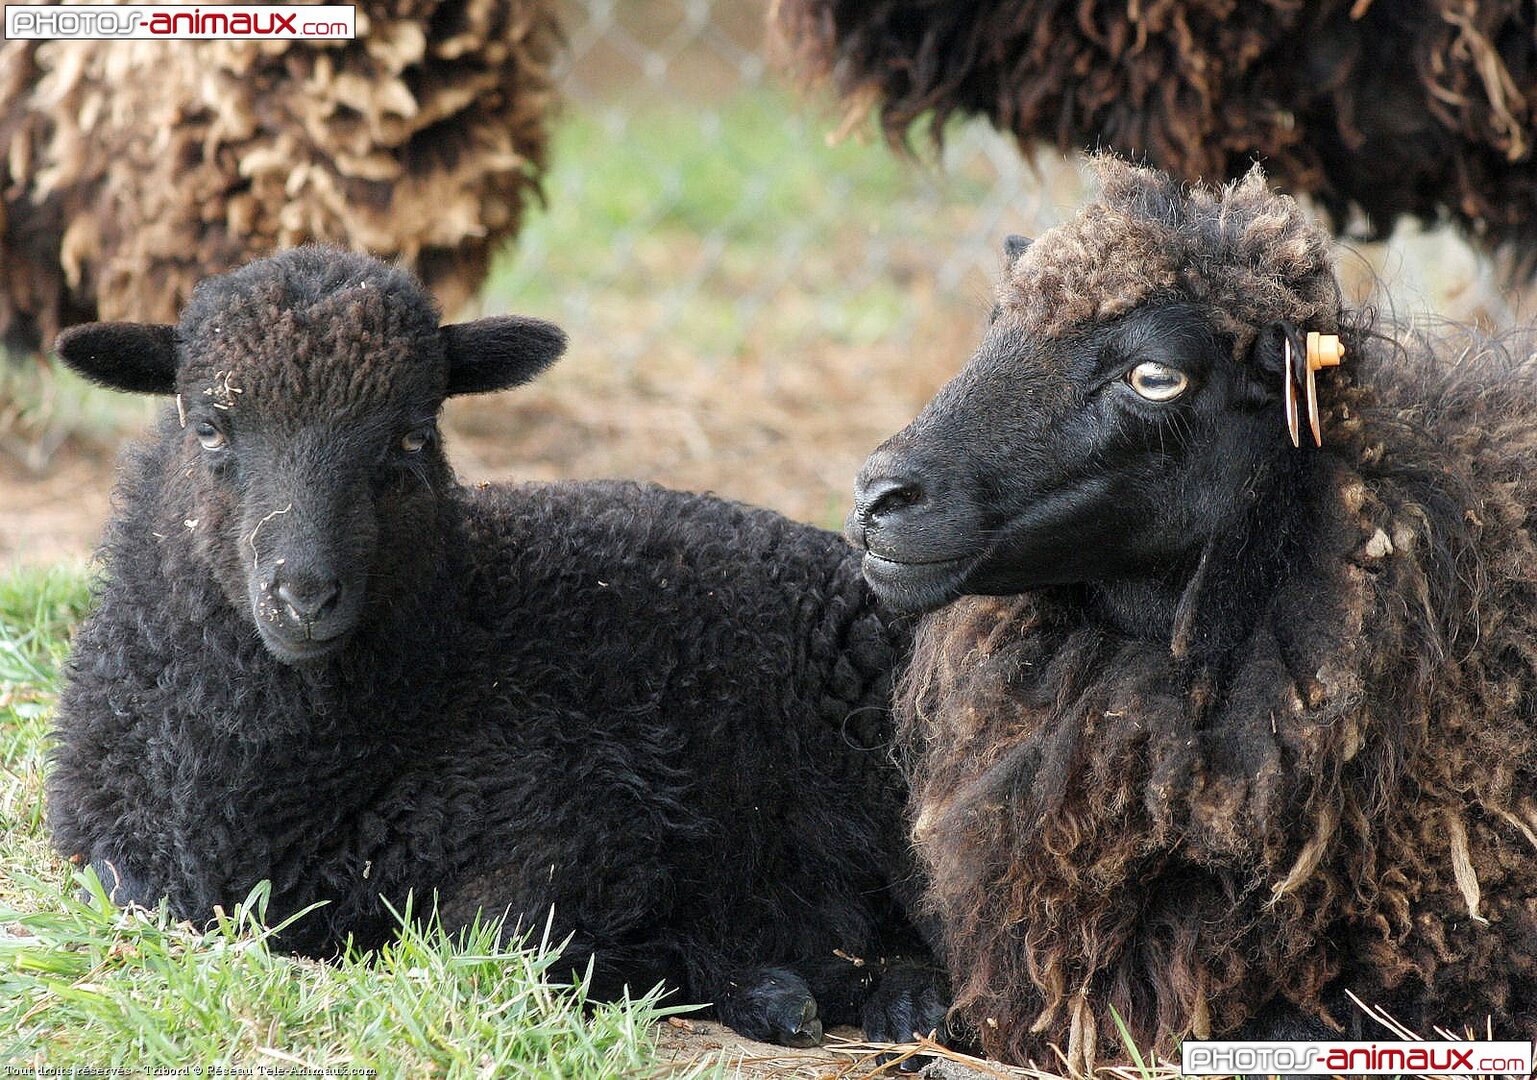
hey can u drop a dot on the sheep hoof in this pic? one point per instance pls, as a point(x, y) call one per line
point(808, 1032)
point(910, 1000)
point(773, 1005)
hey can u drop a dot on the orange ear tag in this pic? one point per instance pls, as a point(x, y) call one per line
point(1324, 350)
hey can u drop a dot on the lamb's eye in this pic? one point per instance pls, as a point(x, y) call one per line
point(1157, 382)
point(416, 440)
point(210, 436)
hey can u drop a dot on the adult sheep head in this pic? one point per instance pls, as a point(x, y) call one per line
point(304, 461)
point(1126, 395)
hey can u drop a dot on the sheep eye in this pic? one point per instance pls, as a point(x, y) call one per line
point(415, 441)
point(1157, 382)
point(210, 436)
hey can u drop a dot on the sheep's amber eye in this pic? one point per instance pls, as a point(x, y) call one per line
point(413, 442)
point(210, 436)
point(1157, 382)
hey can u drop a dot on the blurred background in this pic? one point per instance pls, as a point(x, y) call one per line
point(755, 299)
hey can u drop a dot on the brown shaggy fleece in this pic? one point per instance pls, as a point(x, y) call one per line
point(1248, 254)
point(1420, 109)
point(1345, 798)
point(133, 169)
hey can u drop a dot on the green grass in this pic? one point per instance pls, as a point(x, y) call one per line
point(688, 222)
point(37, 609)
point(84, 984)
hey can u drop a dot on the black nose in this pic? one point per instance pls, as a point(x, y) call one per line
point(309, 599)
point(880, 497)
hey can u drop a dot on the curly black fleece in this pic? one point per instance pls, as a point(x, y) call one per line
point(665, 715)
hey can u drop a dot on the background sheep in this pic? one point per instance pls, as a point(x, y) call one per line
point(1422, 110)
point(1220, 728)
point(135, 168)
point(319, 661)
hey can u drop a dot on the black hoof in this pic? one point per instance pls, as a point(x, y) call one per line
point(907, 1002)
point(806, 1029)
point(773, 1005)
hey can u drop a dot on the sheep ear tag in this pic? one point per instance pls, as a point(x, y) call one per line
point(1289, 391)
point(1323, 350)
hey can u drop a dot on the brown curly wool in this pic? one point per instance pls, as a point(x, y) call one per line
point(1250, 254)
point(1190, 830)
point(1398, 109)
point(135, 168)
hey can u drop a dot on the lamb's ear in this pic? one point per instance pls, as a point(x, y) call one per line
point(137, 357)
point(1013, 248)
point(503, 351)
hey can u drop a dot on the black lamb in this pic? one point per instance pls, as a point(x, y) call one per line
point(318, 660)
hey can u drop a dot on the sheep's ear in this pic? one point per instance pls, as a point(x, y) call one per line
point(1263, 376)
point(1013, 248)
point(137, 357)
point(1267, 358)
point(495, 353)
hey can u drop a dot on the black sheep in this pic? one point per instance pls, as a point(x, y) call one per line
point(318, 660)
point(1207, 727)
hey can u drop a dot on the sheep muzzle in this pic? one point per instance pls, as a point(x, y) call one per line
point(305, 591)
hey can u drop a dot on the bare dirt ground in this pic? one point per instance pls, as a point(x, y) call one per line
point(53, 514)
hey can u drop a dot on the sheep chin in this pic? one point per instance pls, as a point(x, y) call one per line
point(917, 588)
point(298, 652)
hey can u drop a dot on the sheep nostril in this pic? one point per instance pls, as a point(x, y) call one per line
point(308, 602)
point(887, 495)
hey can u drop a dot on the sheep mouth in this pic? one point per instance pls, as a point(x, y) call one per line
point(917, 587)
point(296, 648)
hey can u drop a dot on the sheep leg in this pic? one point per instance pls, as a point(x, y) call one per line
point(909, 999)
point(767, 1003)
point(623, 969)
point(890, 1001)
